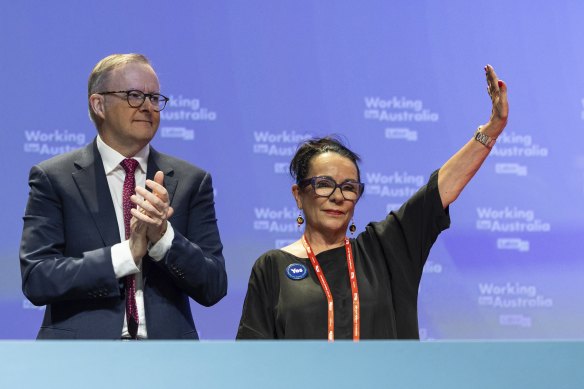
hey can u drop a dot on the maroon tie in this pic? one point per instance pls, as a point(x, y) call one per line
point(129, 166)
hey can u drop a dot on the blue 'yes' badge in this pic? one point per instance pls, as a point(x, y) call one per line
point(296, 271)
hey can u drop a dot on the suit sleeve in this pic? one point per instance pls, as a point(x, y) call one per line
point(195, 260)
point(49, 273)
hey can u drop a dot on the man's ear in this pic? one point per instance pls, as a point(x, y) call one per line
point(97, 104)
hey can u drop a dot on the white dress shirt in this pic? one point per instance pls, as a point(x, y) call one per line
point(122, 259)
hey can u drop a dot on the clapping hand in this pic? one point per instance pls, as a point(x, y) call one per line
point(153, 207)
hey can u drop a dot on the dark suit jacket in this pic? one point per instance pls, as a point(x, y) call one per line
point(65, 253)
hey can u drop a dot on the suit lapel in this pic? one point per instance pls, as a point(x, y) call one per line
point(156, 162)
point(93, 187)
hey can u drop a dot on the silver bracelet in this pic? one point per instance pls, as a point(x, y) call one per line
point(484, 139)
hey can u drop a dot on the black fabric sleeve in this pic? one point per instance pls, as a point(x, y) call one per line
point(403, 240)
point(257, 318)
point(415, 226)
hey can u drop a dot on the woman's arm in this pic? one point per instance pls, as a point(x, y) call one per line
point(462, 166)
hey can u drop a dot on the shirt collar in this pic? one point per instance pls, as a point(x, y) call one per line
point(111, 158)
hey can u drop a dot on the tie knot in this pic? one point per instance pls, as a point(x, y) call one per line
point(129, 165)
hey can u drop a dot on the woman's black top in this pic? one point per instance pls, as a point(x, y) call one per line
point(389, 258)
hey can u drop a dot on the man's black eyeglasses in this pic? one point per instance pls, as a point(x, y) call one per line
point(136, 98)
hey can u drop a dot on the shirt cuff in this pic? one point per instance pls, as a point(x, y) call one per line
point(158, 250)
point(122, 260)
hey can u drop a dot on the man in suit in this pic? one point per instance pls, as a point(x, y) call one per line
point(118, 236)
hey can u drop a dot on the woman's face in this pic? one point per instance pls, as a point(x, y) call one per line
point(332, 214)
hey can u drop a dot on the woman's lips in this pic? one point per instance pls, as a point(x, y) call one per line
point(334, 213)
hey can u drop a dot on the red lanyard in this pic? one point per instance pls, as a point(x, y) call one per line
point(327, 291)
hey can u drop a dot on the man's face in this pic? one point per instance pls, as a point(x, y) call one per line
point(125, 128)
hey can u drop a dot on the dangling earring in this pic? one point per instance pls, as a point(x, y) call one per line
point(352, 227)
point(299, 220)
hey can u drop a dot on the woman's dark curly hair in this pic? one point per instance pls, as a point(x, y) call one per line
point(310, 148)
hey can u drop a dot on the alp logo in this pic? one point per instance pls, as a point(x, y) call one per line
point(296, 271)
